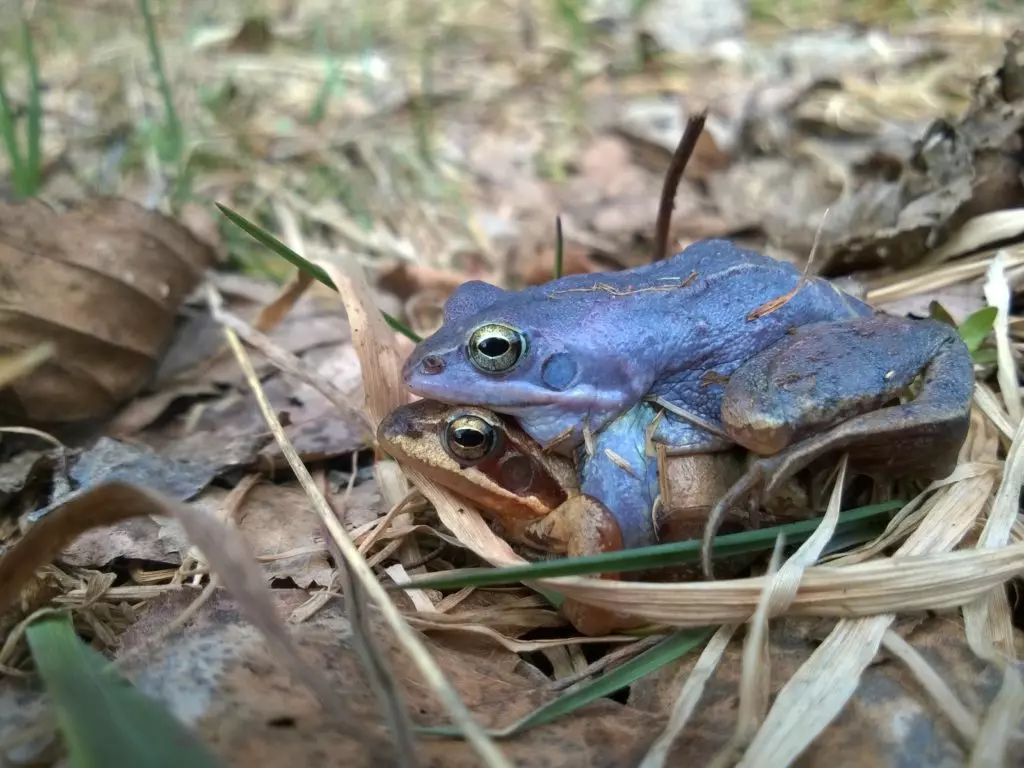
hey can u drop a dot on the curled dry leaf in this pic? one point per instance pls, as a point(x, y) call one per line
point(102, 283)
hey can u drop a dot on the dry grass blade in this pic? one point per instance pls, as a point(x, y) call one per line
point(965, 723)
point(820, 689)
point(755, 673)
point(817, 692)
point(989, 404)
point(689, 696)
point(291, 364)
point(988, 620)
point(1002, 721)
point(918, 508)
point(921, 280)
point(381, 366)
point(780, 588)
point(995, 227)
point(224, 548)
point(998, 294)
point(937, 581)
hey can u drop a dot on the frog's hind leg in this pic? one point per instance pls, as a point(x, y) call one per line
point(831, 387)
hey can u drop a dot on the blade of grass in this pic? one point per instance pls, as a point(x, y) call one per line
point(103, 719)
point(644, 558)
point(673, 647)
point(172, 140)
point(9, 133)
point(559, 245)
point(33, 126)
point(263, 237)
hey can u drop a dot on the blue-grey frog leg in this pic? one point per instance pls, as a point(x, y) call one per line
point(831, 388)
point(622, 476)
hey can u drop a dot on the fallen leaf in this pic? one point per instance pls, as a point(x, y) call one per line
point(405, 279)
point(109, 460)
point(103, 283)
point(218, 676)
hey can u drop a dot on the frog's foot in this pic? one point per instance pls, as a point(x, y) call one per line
point(586, 527)
point(749, 486)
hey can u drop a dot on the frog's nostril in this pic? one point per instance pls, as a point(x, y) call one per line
point(432, 364)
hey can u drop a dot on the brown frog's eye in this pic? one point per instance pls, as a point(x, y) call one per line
point(469, 439)
point(496, 348)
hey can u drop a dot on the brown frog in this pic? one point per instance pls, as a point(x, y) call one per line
point(534, 498)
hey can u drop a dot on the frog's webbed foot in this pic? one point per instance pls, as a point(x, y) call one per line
point(583, 526)
point(828, 389)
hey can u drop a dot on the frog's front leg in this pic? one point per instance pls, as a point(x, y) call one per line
point(843, 386)
point(585, 526)
point(615, 509)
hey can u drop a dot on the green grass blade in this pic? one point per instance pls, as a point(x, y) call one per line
point(660, 555)
point(559, 248)
point(104, 720)
point(34, 124)
point(263, 237)
point(171, 144)
point(9, 134)
point(673, 647)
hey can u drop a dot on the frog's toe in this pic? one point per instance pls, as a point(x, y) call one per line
point(747, 487)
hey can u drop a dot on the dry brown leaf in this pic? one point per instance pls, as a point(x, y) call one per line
point(103, 283)
point(17, 364)
point(404, 279)
point(275, 521)
point(576, 260)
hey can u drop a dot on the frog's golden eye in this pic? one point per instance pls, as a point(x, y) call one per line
point(496, 348)
point(469, 439)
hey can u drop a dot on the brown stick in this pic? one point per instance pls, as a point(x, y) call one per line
point(687, 143)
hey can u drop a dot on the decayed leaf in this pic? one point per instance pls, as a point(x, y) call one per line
point(103, 284)
point(219, 677)
point(960, 171)
point(110, 460)
point(275, 520)
point(15, 365)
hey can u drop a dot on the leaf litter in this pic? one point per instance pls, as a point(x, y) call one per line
point(843, 139)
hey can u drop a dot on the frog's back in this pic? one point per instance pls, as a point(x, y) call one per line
point(711, 283)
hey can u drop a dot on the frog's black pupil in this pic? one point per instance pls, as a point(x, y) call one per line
point(468, 438)
point(494, 346)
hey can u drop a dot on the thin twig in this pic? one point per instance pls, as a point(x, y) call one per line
point(687, 143)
